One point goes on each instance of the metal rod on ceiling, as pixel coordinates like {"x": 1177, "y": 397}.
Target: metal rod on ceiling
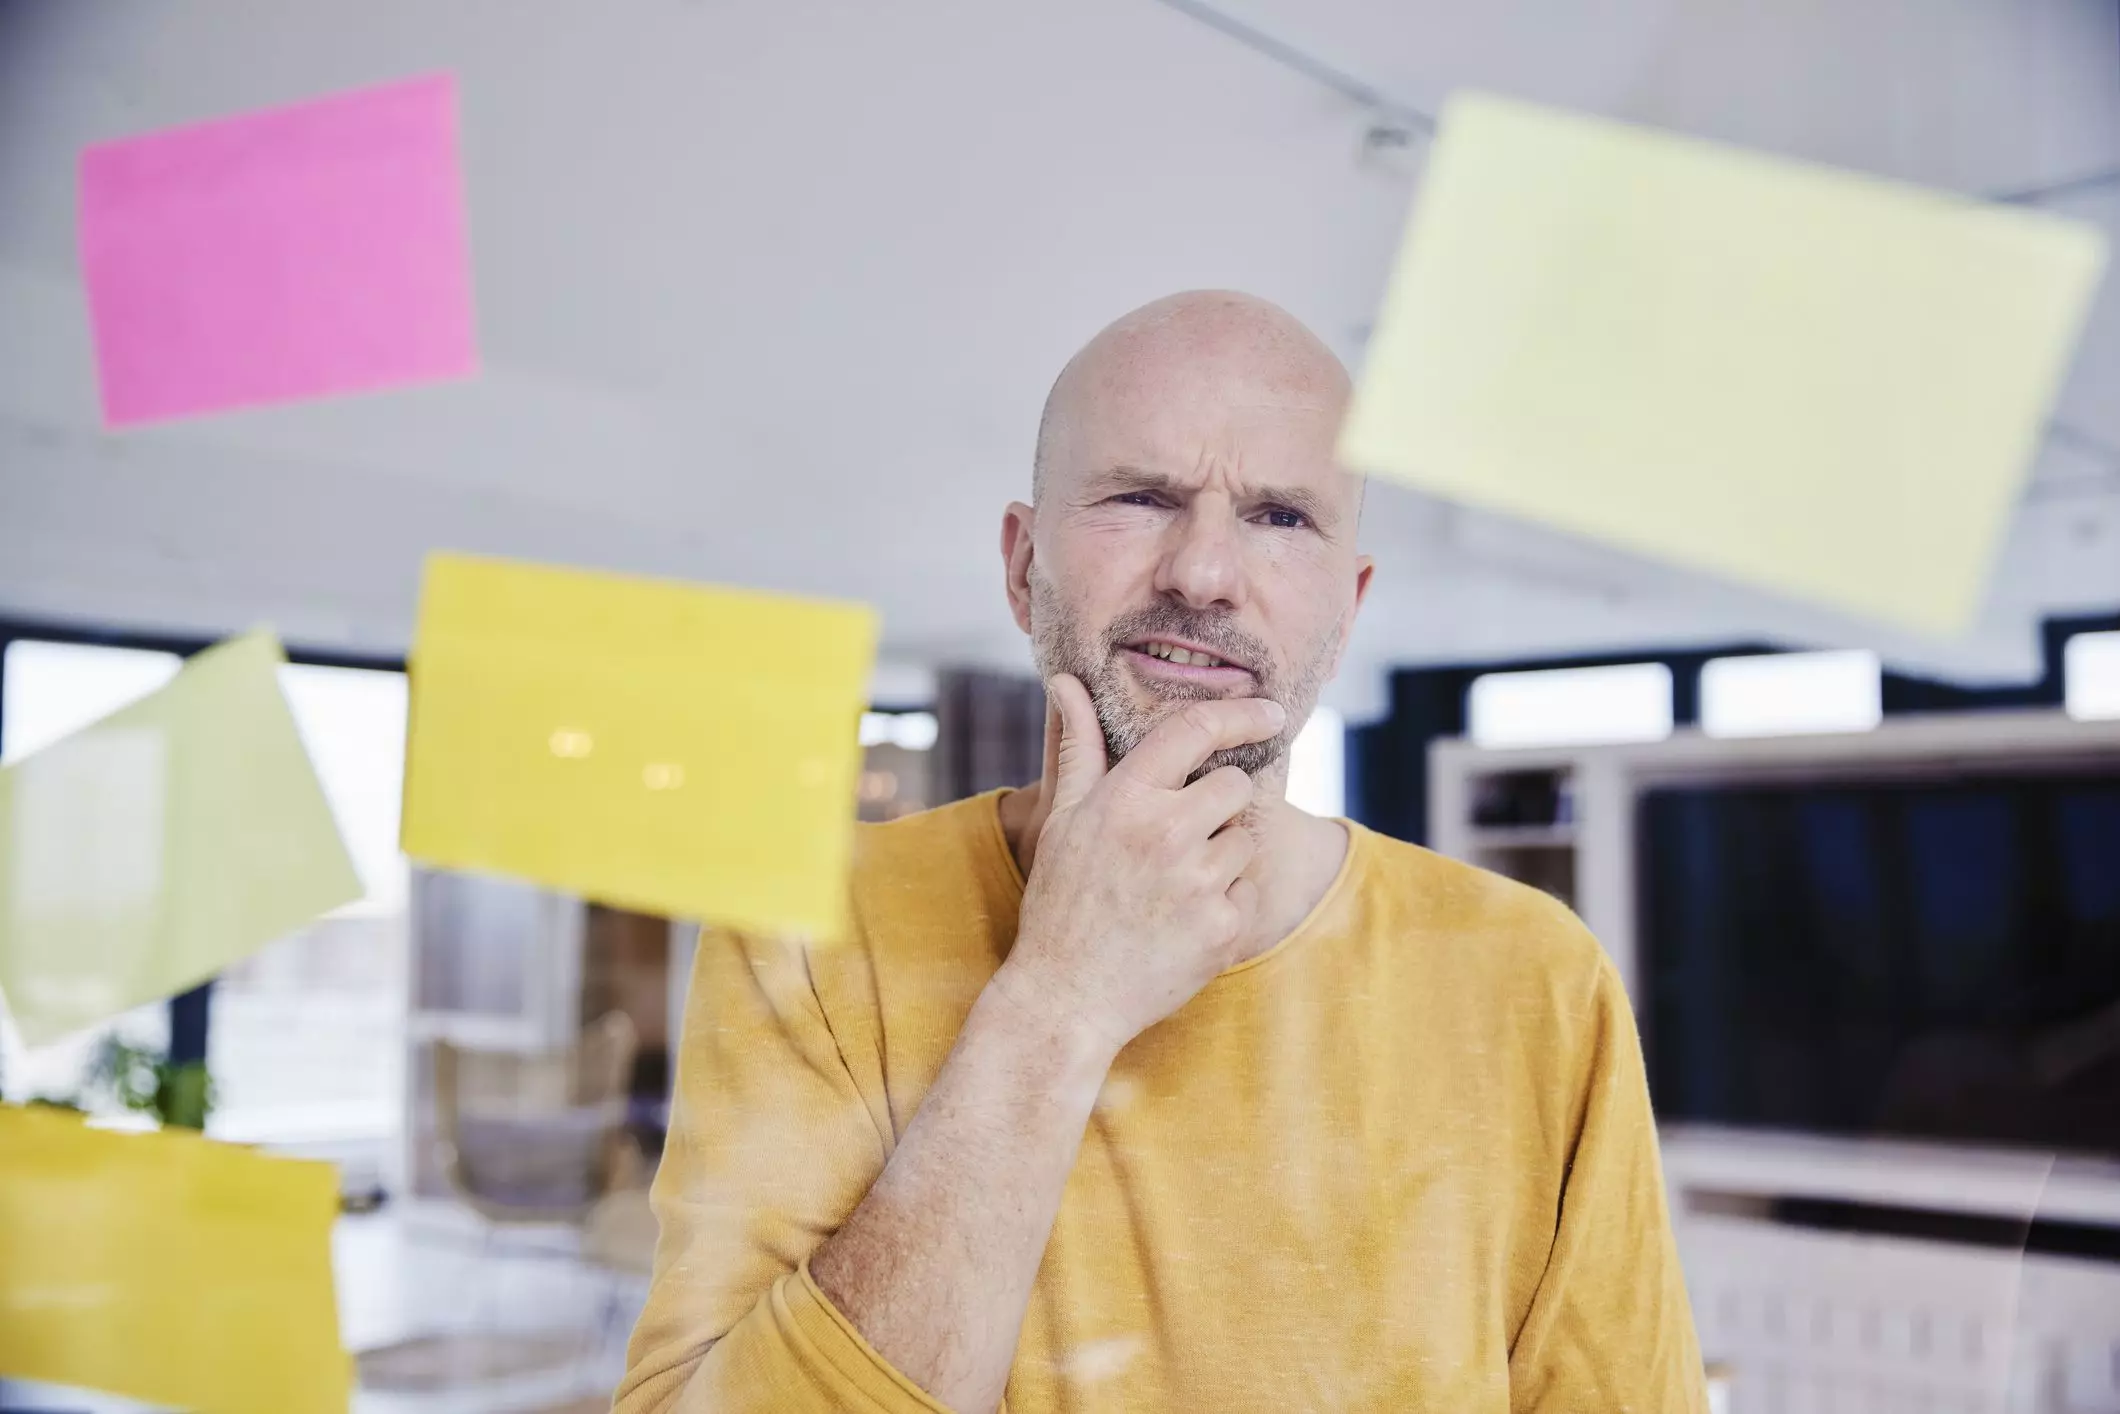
{"x": 2089, "y": 443}
{"x": 1309, "y": 65}
{"x": 2088, "y": 181}
{"x": 1370, "y": 96}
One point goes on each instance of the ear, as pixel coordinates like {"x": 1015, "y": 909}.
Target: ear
{"x": 1016, "y": 525}
{"x": 1365, "y": 567}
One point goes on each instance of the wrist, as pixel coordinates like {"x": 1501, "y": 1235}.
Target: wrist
{"x": 1048, "y": 1031}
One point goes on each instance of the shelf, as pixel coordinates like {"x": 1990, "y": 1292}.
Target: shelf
{"x": 1521, "y": 836}
{"x": 1988, "y": 1180}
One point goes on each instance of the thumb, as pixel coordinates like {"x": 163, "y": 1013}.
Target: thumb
{"x": 1081, "y": 760}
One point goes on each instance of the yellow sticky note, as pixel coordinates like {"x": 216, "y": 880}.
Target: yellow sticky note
{"x": 1819, "y": 383}
{"x": 167, "y": 1268}
{"x": 667, "y": 747}
{"x": 148, "y": 851}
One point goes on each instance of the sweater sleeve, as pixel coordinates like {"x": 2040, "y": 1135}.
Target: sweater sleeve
{"x": 771, "y": 1146}
{"x": 1610, "y": 1327}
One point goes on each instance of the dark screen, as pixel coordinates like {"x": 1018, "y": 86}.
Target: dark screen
{"x": 1923, "y": 960}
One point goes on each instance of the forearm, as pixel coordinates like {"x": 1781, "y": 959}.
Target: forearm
{"x": 935, "y": 1266}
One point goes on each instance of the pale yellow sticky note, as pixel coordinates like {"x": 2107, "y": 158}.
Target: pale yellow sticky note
{"x": 148, "y": 851}
{"x": 667, "y": 747}
{"x": 167, "y": 1268}
{"x": 1818, "y": 383}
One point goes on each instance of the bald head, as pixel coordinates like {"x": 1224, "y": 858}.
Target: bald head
{"x": 1191, "y": 534}
{"x": 1183, "y": 354}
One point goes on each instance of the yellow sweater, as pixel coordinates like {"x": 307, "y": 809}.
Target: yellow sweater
{"x": 1403, "y": 1161}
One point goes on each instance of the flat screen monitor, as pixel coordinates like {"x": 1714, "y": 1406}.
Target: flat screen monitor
{"x": 1929, "y": 959}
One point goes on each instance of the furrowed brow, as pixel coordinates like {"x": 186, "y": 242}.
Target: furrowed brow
{"x": 1119, "y": 480}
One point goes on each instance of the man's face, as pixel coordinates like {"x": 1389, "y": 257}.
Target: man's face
{"x": 1135, "y": 678}
{"x": 1193, "y": 539}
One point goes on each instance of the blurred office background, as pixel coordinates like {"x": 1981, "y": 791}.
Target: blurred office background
{"x": 771, "y": 294}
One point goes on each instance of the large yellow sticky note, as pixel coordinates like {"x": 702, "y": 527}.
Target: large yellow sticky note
{"x": 666, "y": 747}
{"x": 148, "y": 851}
{"x": 1819, "y": 383}
{"x": 168, "y": 1268}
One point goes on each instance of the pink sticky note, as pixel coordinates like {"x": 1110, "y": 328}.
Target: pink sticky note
{"x": 289, "y": 253}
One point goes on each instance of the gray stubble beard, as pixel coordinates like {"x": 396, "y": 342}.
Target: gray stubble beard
{"x": 1056, "y": 647}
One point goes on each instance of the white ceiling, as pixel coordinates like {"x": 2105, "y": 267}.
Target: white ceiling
{"x": 770, "y": 293}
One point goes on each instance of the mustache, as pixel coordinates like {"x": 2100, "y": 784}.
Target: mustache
{"x": 1211, "y": 631}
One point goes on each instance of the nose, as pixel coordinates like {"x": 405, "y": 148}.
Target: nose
{"x": 1202, "y": 563}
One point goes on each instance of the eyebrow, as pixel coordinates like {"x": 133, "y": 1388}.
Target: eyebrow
{"x": 1309, "y": 504}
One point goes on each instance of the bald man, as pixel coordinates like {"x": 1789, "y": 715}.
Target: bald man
{"x": 1139, "y": 1088}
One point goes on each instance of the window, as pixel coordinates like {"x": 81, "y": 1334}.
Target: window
{"x": 1789, "y": 694}
{"x": 352, "y": 722}
{"x": 914, "y": 731}
{"x": 1317, "y": 765}
{"x": 48, "y": 690}
{"x": 308, "y": 1035}
{"x": 2090, "y": 674}
{"x": 1571, "y": 706}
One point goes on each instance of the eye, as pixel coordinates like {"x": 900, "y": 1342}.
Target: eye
{"x": 1282, "y": 518}
{"x": 1135, "y": 498}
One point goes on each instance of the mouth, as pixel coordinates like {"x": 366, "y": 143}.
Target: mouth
{"x": 1176, "y": 660}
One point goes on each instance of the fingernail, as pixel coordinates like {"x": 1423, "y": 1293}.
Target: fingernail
{"x": 1280, "y": 713}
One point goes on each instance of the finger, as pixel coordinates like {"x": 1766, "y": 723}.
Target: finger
{"x": 1215, "y": 799}
{"x": 1082, "y": 756}
{"x": 1179, "y": 746}
{"x": 1230, "y": 853}
{"x": 1245, "y": 895}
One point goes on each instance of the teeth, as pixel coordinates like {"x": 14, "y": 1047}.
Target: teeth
{"x": 1184, "y": 657}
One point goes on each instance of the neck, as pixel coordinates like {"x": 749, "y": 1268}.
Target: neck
{"x": 1298, "y": 856}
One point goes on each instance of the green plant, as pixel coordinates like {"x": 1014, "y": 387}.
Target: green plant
{"x": 143, "y": 1080}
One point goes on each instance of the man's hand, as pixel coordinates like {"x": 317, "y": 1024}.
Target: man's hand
{"x": 1136, "y": 896}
